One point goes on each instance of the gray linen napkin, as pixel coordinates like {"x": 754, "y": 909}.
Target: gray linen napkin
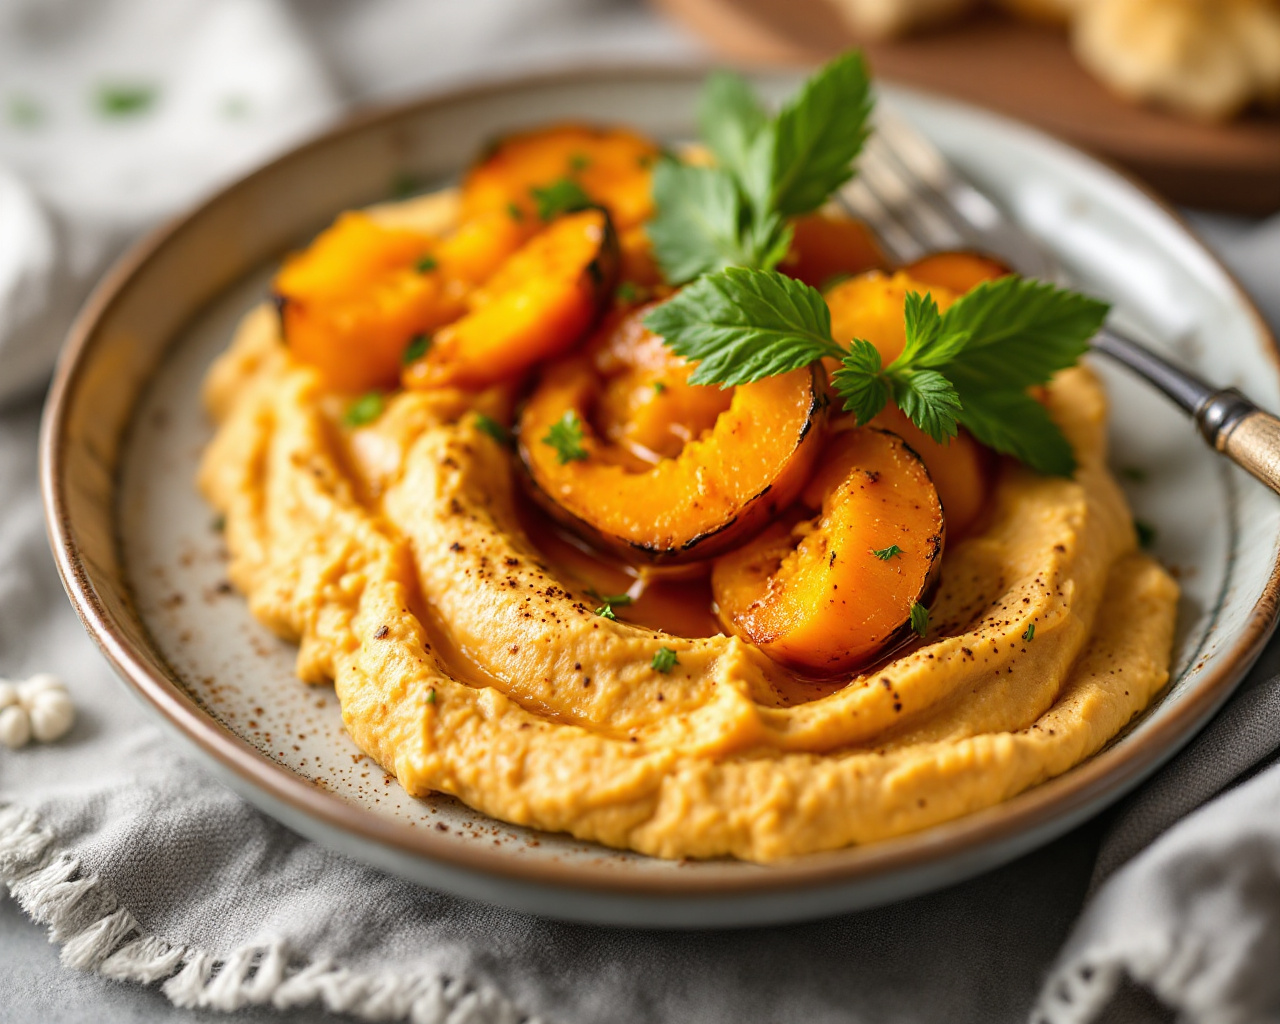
{"x": 142, "y": 870}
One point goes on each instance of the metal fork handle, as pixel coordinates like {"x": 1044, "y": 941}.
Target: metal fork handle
{"x": 1227, "y": 419}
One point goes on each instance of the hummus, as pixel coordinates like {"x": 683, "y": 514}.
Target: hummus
{"x": 394, "y": 556}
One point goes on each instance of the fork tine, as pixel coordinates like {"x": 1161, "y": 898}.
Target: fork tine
{"x": 908, "y": 196}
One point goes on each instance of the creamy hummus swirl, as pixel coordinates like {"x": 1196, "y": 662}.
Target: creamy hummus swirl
{"x": 394, "y": 557}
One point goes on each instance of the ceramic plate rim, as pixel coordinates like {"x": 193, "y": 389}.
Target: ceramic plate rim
{"x": 1068, "y": 798}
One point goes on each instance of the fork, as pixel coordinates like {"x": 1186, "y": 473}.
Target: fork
{"x": 917, "y": 203}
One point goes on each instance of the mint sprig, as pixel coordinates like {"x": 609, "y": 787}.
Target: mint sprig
{"x": 767, "y": 169}
{"x": 969, "y": 367}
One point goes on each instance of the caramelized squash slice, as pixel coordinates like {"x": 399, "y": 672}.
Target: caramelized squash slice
{"x": 871, "y": 307}
{"x": 957, "y": 271}
{"x": 836, "y": 591}
{"x": 541, "y": 303}
{"x": 673, "y": 472}
{"x": 825, "y": 247}
{"x": 612, "y": 165}
{"x": 352, "y": 302}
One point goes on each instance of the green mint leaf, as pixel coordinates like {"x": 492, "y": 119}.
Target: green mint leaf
{"x": 1020, "y": 332}
{"x": 365, "y": 409}
{"x": 729, "y": 119}
{"x": 565, "y": 436}
{"x": 697, "y": 224}
{"x": 125, "y": 100}
{"x": 418, "y": 347}
{"x": 929, "y": 401}
{"x": 861, "y": 382}
{"x": 494, "y": 429}
{"x": 819, "y": 133}
{"x": 664, "y": 661}
{"x": 1016, "y": 424}
{"x": 884, "y": 554}
{"x": 919, "y": 620}
{"x": 563, "y": 196}
{"x": 742, "y": 325}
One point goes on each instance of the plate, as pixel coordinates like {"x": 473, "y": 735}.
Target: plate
{"x": 1233, "y": 166}
{"x": 143, "y": 563}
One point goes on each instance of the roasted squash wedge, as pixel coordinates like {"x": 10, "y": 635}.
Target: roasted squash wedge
{"x": 673, "y": 472}
{"x": 825, "y": 246}
{"x": 957, "y": 271}
{"x": 836, "y": 591}
{"x": 352, "y": 302}
{"x": 612, "y": 165}
{"x": 871, "y": 307}
{"x": 541, "y": 302}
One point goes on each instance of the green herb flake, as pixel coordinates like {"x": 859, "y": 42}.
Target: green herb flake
{"x": 659, "y": 387}
{"x": 365, "y": 409}
{"x": 493, "y": 428}
{"x": 419, "y": 345}
{"x": 919, "y": 620}
{"x": 1146, "y": 533}
{"x": 664, "y": 660}
{"x": 1030, "y": 633}
{"x": 605, "y": 611}
{"x": 579, "y": 162}
{"x": 1133, "y": 474}
{"x": 403, "y": 185}
{"x": 627, "y": 292}
{"x": 426, "y": 264}
{"x": 431, "y": 695}
{"x": 514, "y": 212}
{"x": 125, "y": 99}
{"x": 613, "y": 601}
{"x": 563, "y": 196}
{"x": 884, "y": 554}
{"x": 565, "y": 436}
{"x": 24, "y": 111}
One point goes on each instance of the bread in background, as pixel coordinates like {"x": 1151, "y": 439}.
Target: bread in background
{"x": 888, "y": 19}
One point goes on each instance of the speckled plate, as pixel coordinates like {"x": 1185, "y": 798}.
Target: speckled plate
{"x": 144, "y": 565}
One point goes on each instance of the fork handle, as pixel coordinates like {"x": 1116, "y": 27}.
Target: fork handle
{"x": 1253, "y": 443}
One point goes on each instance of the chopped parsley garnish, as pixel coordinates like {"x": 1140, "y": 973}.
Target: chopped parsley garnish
{"x": 514, "y": 212}
{"x": 493, "y": 428}
{"x": 724, "y": 228}
{"x": 125, "y": 100}
{"x": 365, "y": 409}
{"x": 659, "y": 386}
{"x": 613, "y": 601}
{"x": 563, "y": 196}
{"x": 579, "y": 162}
{"x": 884, "y": 554}
{"x": 969, "y": 367}
{"x": 418, "y": 347}
{"x": 627, "y": 292}
{"x": 664, "y": 660}
{"x": 919, "y": 619}
{"x": 426, "y": 264}
{"x": 1146, "y": 532}
{"x": 431, "y": 695}
{"x": 605, "y": 611}
{"x": 565, "y": 436}
{"x": 1030, "y": 633}
{"x": 767, "y": 169}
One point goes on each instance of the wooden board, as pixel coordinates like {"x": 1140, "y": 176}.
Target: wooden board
{"x": 1028, "y": 72}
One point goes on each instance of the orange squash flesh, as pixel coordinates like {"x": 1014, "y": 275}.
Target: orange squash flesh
{"x": 613, "y": 166}
{"x": 740, "y": 465}
{"x": 541, "y": 302}
{"x": 351, "y": 302}
{"x": 814, "y": 596}
{"x": 957, "y": 271}
{"x": 871, "y": 307}
{"x": 825, "y": 246}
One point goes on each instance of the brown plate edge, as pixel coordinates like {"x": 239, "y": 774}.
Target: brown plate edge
{"x": 1106, "y": 776}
